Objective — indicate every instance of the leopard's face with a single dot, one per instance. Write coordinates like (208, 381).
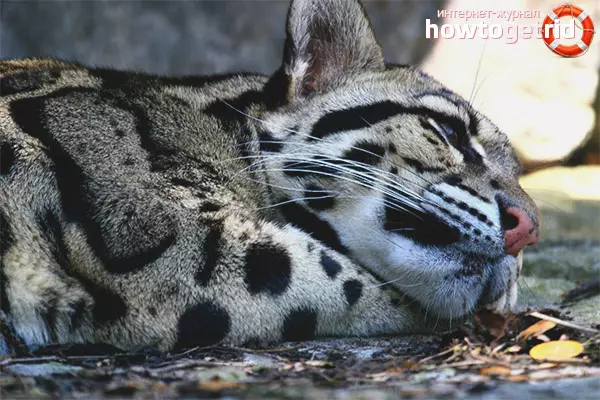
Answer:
(408, 179)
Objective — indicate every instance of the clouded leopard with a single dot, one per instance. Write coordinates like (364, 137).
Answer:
(342, 196)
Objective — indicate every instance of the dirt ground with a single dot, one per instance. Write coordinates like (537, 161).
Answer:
(487, 358)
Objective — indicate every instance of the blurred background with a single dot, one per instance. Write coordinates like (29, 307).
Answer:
(548, 105)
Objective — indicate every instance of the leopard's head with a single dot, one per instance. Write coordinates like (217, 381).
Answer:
(387, 165)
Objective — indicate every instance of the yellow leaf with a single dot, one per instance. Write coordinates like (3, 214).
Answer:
(495, 370)
(556, 349)
(536, 329)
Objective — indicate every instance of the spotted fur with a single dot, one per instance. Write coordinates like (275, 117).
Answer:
(341, 196)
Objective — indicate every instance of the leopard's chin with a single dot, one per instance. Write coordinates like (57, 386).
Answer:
(507, 298)
(450, 285)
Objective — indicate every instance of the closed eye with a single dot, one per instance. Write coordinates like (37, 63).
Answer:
(446, 130)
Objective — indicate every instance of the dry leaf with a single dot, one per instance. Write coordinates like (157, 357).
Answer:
(495, 370)
(536, 329)
(545, 365)
(556, 349)
(492, 322)
(514, 349)
(320, 364)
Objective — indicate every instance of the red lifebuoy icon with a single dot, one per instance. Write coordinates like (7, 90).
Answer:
(582, 45)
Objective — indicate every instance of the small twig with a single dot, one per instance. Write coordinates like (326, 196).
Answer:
(278, 350)
(563, 323)
(593, 339)
(182, 365)
(489, 360)
(30, 360)
(498, 348)
(467, 363)
(565, 360)
(322, 375)
(588, 288)
(179, 355)
(443, 353)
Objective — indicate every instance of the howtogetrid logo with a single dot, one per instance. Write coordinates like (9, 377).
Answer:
(587, 26)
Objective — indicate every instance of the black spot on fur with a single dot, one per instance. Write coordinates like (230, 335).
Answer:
(268, 268)
(108, 305)
(474, 125)
(120, 133)
(269, 143)
(394, 170)
(495, 184)
(453, 180)
(152, 311)
(473, 265)
(355, 118)
(332, 268)
(7, 158)
(207, 206)
(204, 324)
(79, 308)
(418, 165)
(145, 239)
(463, 206)
(212, 254)
(432, 141)
(353, 290)
(456, 181)
(6, 241)
(310, 223)
(300, 324)
(317, 200)
(473, 193)
(182, 182)
(392, 148)
(364, 153)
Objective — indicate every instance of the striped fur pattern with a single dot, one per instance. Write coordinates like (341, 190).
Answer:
(339, 197)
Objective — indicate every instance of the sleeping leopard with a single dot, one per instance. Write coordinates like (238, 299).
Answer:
(341, 196)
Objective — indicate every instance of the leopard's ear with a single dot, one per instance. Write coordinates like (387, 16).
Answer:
(327, 40)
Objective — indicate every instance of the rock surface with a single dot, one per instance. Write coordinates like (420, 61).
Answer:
(569, 249)
(186, 37)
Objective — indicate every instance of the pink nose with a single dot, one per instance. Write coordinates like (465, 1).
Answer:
(521, 233)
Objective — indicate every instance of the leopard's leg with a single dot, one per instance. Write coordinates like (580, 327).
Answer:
(260, 282)
(227, 279)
